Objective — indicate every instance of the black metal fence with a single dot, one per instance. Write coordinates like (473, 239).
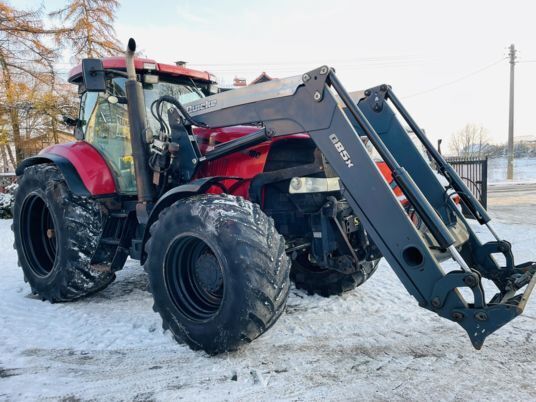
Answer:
(474, 172)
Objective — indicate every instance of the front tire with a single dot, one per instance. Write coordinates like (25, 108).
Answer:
(56, 237)
(218, 271)
(324, 282)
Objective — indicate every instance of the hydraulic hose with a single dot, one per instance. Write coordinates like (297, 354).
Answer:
(182, 110)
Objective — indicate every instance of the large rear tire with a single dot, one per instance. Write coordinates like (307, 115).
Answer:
(56, 237)
(324, 282)
(217, 270)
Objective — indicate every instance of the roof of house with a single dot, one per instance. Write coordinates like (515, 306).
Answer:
(261, 78)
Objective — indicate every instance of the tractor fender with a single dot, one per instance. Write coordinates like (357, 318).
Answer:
(72, 178)
(84, 168)
(199, 186)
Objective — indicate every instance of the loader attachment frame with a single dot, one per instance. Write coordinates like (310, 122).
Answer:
(318, 104)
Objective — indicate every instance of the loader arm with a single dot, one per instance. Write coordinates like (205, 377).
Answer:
(318, 104)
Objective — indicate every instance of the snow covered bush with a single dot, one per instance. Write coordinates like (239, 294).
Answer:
(6, 201)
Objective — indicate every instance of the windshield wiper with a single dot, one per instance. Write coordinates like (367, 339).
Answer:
(196, 88)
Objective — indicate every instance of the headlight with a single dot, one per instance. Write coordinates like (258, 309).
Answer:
(302, 185)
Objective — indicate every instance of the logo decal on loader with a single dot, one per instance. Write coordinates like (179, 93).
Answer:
(342, 152)
(201, 106)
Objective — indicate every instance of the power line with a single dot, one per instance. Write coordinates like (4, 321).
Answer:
(297, 69)
(456, 80)
(297, 63)
(301, 66)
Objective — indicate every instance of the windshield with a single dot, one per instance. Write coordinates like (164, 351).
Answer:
(185, 93)
(106, 127)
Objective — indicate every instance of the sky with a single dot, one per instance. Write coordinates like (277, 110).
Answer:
(447, 61)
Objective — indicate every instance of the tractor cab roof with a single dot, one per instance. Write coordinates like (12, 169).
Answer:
(148, 66)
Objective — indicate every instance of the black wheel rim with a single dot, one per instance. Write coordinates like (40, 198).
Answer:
(38, 235)
(194, 278)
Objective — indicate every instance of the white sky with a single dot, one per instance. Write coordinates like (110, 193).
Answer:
(413, 45)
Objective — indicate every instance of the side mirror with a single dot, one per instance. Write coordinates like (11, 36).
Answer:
(69, 121)
(78, 133)
(213, 89)
(93, 75)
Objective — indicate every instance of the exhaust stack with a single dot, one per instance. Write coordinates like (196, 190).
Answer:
(138, 128)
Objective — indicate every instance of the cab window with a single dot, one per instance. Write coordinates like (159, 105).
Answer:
(105, 125)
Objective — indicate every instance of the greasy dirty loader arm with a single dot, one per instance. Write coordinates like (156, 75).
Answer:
(318, 104)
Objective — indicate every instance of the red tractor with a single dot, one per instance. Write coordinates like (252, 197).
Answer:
(224, 215)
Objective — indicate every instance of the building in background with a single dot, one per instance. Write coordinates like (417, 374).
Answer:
(240, 82)
(261, 78)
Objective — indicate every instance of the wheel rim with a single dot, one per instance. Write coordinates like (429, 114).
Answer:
(38, 235)
(194, 278)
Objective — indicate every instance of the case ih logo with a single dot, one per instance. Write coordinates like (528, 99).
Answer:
(342, 152)
(201, 106)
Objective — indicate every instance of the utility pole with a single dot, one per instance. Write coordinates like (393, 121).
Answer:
(510, 170)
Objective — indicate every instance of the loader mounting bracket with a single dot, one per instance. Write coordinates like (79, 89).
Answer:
(316, 82)
(376, 97)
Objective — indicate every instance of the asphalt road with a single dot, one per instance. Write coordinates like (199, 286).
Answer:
(513, 203)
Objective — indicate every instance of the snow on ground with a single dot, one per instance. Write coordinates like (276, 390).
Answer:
(513, 202)
(524, 170)
(372, 343)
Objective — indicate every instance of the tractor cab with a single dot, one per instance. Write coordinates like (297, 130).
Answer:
(103, 116)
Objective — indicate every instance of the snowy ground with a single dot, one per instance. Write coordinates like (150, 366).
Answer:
(524, 170)
(372, 343)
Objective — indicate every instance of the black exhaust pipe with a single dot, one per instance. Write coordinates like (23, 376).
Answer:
(138, 128)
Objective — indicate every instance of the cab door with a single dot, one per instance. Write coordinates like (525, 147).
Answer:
(104, 122)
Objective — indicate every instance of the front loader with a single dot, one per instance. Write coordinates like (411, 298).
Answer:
(217, 240)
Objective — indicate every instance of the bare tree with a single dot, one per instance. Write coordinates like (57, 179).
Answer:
(472, 140)
(34, 97)
(4, 142)
(27, 52)
(90, 23)
(49, 105)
